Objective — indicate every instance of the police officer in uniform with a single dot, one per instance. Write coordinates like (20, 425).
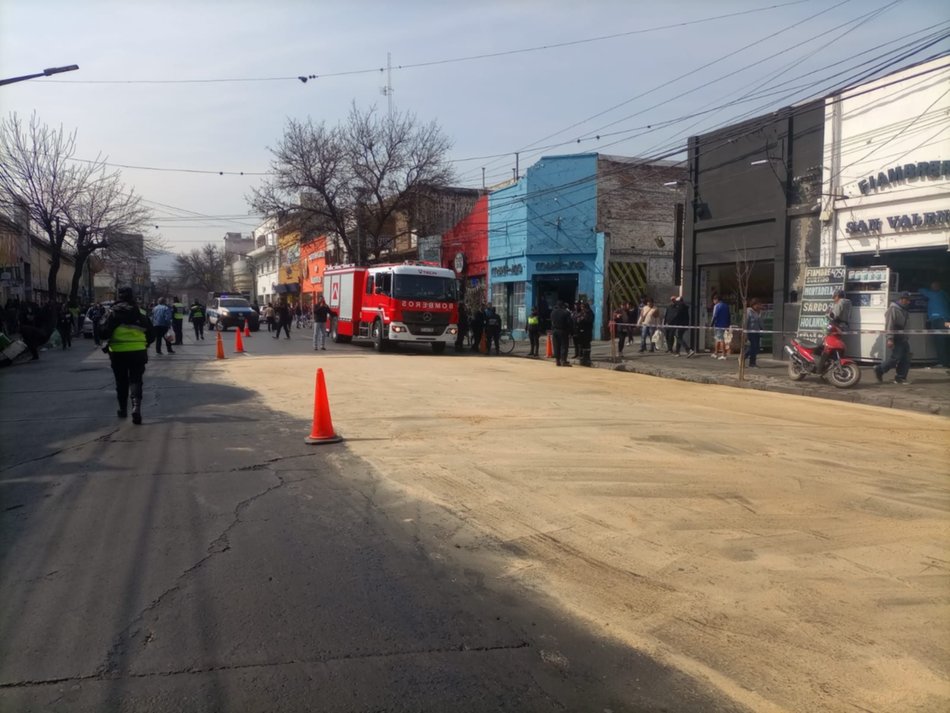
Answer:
(197, 317)
(562, 326)
(128, 331)
(178, 317)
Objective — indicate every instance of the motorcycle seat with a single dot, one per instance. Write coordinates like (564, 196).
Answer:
(806, 344)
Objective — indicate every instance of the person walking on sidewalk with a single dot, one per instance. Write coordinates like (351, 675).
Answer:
(753, 326)
(321, 315)
(196, 315)
(534, 332)
(126, 328)
(895, 323)
(161, 321)
(283, 319)
(678, 317)
(178, 318)
(721, 319)
(562, 325)
(649, 319)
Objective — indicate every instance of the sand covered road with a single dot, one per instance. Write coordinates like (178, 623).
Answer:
(792, 552)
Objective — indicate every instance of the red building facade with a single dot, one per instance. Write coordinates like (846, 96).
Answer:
(313, 263)
(465, 246)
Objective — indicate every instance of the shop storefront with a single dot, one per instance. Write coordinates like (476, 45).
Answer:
(544, 245)
(752, 217)
(886, 215)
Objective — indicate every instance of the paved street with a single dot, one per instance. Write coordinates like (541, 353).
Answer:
(494, 534)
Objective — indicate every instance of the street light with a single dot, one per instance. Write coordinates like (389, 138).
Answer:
(44, 73)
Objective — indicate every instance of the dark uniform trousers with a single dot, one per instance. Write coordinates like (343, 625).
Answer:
(129, 368)
(561, 339)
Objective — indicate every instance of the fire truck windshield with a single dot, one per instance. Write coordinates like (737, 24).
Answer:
(424, 287)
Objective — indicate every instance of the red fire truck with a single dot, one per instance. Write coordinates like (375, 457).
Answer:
(413, 302)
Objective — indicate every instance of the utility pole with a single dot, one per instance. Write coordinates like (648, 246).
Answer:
(483, 178)
(388, 89)
(517, 166)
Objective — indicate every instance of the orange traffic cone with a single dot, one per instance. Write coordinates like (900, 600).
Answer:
(322, 430)
(247, 329)
(220, 354)
(238, 342)
(548, 349)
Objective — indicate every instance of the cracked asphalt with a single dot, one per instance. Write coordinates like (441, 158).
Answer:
(210, 561)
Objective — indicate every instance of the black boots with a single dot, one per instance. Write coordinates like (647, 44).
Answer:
(123, 396)
(136, 404)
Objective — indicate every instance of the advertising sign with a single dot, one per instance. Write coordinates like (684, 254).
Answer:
(820, 286)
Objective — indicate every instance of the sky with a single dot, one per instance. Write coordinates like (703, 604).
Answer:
(136, 100)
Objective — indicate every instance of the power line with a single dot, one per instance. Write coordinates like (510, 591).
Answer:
(451, 60)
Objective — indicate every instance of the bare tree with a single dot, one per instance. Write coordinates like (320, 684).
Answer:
(744, 266)
(104, 211)
(353, 180)
(202, 268)
(37, 173)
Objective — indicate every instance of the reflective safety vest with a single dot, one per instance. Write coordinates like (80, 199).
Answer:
(129, 338)
(197, 313)
(179, 311)
(534, 321)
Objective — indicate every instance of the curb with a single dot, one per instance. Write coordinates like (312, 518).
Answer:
(758, 383)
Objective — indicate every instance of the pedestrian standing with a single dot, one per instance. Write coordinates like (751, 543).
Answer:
(126, 327)
(64, 325)
(680, 325)
(562, 326)
(321, 315)
(534, 332)
(720, 323)
(178, 319)
(73, 312)
(283, 319)
(895, 324)
(492, 330)
(753, 327)
(196, 315)
(270, 315)
(938, 319)
(463, 327)
(585, 332)
(161, 323)
(478, 326)
(649, 319)
(95, 315)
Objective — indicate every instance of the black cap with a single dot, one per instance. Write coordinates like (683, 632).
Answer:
(905, 295)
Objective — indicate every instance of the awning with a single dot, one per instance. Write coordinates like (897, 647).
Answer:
(290, 288)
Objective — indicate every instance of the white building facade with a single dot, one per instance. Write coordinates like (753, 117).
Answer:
(885, 212)
(887, 171)
(265, 263)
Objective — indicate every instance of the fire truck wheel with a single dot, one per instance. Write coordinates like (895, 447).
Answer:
(438, 347)
(379, 344)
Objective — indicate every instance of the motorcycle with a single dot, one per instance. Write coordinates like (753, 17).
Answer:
(842, 372)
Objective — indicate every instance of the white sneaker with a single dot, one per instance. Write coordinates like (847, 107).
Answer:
(714, 355)
(721, 358)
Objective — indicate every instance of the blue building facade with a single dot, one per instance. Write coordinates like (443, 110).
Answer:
(543, 242)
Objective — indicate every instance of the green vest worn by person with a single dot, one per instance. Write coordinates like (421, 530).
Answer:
(197, 313)
(179, 311)
(534, 321)
(127, 328)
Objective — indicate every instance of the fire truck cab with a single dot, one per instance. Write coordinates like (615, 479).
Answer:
(412, 302)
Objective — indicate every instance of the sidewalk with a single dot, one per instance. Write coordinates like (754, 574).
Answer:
(928, 391)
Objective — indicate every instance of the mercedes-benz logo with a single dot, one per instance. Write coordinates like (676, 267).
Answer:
(426, 316)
